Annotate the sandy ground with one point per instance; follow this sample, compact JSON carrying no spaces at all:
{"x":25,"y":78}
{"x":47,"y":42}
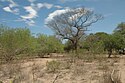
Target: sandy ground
{"x":122,"y":69}
{"x":34,"y":71}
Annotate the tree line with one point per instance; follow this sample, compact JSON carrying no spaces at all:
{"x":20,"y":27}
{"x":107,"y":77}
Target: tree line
{"x":102,"y":42}
{"x":18,"y":42}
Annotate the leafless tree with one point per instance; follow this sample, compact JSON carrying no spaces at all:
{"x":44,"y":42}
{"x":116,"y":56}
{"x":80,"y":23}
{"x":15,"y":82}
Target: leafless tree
{"x":72,"y":23}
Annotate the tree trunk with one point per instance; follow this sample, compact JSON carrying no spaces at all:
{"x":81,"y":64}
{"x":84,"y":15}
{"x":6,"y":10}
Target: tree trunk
{"x":75,"y":46}
{"x":109,"y":53}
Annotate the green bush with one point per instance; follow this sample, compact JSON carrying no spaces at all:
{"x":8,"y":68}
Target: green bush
{"x":53,"y":66}
{"x":14,"y":41}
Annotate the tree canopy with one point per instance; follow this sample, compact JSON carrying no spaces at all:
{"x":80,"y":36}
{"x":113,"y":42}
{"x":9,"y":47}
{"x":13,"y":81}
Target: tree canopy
{"x":71,"y":24}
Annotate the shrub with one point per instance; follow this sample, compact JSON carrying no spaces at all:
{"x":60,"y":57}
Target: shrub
{"x":53,"y":66}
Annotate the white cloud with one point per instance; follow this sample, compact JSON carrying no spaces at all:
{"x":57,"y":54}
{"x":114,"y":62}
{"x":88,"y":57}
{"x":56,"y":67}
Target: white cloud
{"x":55,"y":13}
{"x":40,"y":5}
{"x":57,"y":6}
{"x":29,"y":22}
{"x":14,"y":11}
{"x":46,"y":5}
{"x":75,"y":13}
{"x":7,"y":9}
{"x":11,"y":7}
{"x":31,"y":0}
{"x":31,"y":11}
{"x":12,"y":3}
{"x":28,"y":19}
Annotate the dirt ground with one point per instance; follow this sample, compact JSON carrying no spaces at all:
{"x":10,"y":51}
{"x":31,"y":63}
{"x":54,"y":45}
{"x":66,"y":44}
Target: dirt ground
{"x":122,"y":69}
{"x":80,"y":71}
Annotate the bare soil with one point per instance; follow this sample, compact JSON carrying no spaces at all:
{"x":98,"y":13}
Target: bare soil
{"x":80,"y":71}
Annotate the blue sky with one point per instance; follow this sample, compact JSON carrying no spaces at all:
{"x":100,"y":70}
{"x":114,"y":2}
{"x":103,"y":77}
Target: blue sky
{"x":32,"y":13}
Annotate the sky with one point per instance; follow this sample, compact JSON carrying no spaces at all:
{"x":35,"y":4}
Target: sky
{"x":33,"y":13}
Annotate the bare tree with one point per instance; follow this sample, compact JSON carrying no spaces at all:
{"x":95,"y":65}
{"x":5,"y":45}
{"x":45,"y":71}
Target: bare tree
{"x":71,"y":24}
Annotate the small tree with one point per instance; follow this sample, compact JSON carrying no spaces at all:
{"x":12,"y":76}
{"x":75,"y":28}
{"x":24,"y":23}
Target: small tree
{"x":71,"y":24}
{"x":119,"y":34}
{"x":94,"y":42}
{"x":14,"y":41}
{"x":48,"y":44}
{"x":110,"y":44}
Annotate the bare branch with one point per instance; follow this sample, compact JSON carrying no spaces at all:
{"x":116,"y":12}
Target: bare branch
{"x":72,"y":23}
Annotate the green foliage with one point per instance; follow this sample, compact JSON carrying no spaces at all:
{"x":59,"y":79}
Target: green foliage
{"x":53,"y":66}
{"x":114,"y":42}
{"x":14,"y":41}
{"x":119,"y":34}
{"x":110,"y":42}
{"x":102,"y":42}
{"x":48,"y":44}
{"x":17,"y":41}
{"x":68,"y":46}
{"x":94,"y":42}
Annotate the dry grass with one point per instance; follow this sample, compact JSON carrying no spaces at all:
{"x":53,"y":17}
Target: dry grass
{"x":62,"y":70}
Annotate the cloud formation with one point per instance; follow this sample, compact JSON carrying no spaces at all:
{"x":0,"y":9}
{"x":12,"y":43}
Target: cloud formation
{"x":46,"y":5}
{"x":31,"y":1}
{"x":72,"y":14}
{"x":30,"y":22}
{"x":38,"y":6}
{"x":12,"y":3}
{"x":31,"y":11}
{"x":28,"y":19}
{"x":11,"y":7}
{"x":14,"y":11}
{"x":55,"y":13}
{"x":7,"y":9}
{"x":57,"y":6}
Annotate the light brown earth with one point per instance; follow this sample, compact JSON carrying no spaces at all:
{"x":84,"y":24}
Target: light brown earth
{"x":81,"y":71}
{"x":122,"y":68}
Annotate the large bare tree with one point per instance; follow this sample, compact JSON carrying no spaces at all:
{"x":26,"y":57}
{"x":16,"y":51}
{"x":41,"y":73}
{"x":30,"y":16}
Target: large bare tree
{"x":71,"y":24}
